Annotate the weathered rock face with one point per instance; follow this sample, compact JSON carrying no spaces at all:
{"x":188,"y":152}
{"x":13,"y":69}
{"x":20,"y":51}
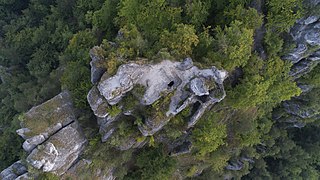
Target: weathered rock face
{"x":162,"y":91}
{"x":25,"y":176}
{"x":60,"y":151}
{"x":80,"y":170}
{"x":158,"y":78}
{"x":42,"y":121}
{"x":96,"y":64}
{"x":13,"y":171}
{"x":52,"y":137}
{"x":97,"y":103}
{"x":306,"y":56}
{"x":306,"y":34}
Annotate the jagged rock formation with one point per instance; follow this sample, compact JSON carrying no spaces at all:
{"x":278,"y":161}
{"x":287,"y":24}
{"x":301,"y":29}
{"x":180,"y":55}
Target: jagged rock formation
{"x":13,"y":171}
{"x":42,"y":121}
{"x":306,"y":56}
{"x":160,"y":91}
{"x":52,"y":137}
{"x":60,"y":151}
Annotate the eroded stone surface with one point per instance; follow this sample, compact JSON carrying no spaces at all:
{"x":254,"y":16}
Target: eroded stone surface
{"x":180,"y":84}
{"x":97,"y":103}
{"x":13,"y":171}
{"x":42,"y":121}
{"x":60,"y":151}
{"x":306,"y":56}
{"x":156,"y":78}
{"x":306,"y":35}
{"x":97,"y":67}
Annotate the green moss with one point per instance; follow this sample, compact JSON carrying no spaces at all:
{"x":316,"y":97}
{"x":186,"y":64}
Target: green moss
{"x":44,"y":116}
{"x":125,"y":132}
{"x":114,"y":111}
{"x":129,"y":102}
{"x":48,"y":176}
{"x":191,"y":172}
{"x":177,"y":124}
{"x":138,"y":91}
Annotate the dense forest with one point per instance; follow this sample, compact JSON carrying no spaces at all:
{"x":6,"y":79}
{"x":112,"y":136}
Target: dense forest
{"x":44,"y":48}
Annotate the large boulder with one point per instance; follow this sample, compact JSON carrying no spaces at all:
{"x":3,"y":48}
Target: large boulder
{"x":42,"y":121}
{"x":97,"y":103}
{"x":60,"y":151}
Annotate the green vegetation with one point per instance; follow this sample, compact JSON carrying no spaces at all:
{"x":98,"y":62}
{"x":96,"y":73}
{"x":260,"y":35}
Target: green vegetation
{"x":209,"y":134}
{"x":181,"y":41}
{"x":48,"y":176}
{"x":177,"y":124}
{"x":283,"y":14}
{"x":113,"y":111}
{"x":152,"y":163}
{"x":44,"y":47}
{"x":104,"y":157}
{"x":234,"y":45}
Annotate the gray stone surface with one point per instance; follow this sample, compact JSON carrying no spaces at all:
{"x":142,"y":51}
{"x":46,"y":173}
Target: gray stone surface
{"x":298,"y":108}
{"x":311,"y":19}
{"x":97,"y":103}
{"x":42,"y":121}
{"x":155,"y":78}
{"x":306,"y":56}
{"x":97,"y":68}
{"x":60,"y":151}
{"x":13,"y":171}
{"x":198,"y":87}
{"x":235,"y":165}
{"x":186,"y":82}
{"x":25,"y":176}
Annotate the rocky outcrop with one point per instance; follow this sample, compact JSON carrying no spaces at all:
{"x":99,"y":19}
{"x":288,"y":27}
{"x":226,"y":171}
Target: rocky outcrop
{"x":97,"y":67}
{"x":97,"y":103}
{"x":13,"y":171}
{"x":60,"y":151}
{"x":44,"y":120}
{"x":157,"y":79}
{"x":305,"y":57}
{"x":162,"y":91}
{"x":81,"y":171}
{"x":52,"y":137}
{"x":306,"y":35}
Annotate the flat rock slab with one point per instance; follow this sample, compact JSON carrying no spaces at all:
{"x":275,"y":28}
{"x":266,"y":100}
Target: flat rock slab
{"x":60,"y":151}
{"x":41,"y":121}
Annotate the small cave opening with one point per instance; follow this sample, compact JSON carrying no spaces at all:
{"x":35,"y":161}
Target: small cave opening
{"x":171,"y":84}
{"x":204,"y":98}
{"x":195,"y":107}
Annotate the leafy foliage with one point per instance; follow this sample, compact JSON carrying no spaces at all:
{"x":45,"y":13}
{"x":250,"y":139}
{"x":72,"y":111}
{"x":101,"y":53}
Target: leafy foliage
{"x":209,"y":135}
{"x":153,"y":163}
{"x":44,"y":46}
{"x":181,"y":41}
{"x":282,"y":14}
{"x":233,"y":45}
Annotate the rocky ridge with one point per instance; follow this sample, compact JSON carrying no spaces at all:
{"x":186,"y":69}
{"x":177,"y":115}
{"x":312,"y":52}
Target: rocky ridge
{"x":53,"y":138}
{"x":165,"y":89}
{"x":305,"y":57}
